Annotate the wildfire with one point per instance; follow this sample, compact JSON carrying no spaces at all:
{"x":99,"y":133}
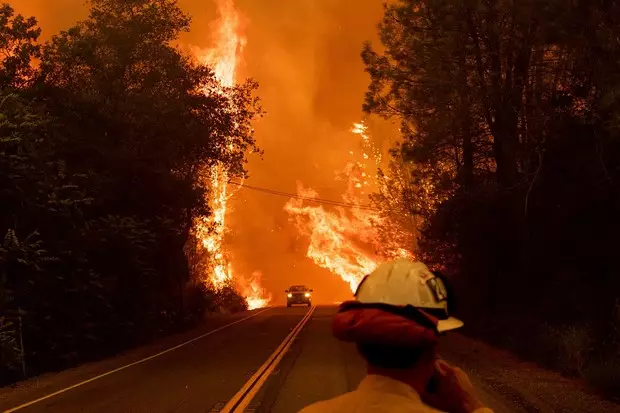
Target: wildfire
{"x":332,"y":235}
{"x":229,"y":44}
{"x":256,"y":296}
{"x":344,"y":240}
{"x":224,"y":58}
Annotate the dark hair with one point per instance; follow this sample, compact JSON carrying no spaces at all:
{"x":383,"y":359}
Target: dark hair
{"x":391,"y":357}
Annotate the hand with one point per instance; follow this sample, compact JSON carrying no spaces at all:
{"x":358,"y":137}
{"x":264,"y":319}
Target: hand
{"x":454,"y":391}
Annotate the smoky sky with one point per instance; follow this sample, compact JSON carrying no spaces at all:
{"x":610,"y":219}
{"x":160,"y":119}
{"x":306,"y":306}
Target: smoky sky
{"x":305,"y":55}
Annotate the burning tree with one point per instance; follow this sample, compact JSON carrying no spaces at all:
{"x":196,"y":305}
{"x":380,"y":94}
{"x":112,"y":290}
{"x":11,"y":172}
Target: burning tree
{"x":210,"y":231}
{"x":106,"y":153}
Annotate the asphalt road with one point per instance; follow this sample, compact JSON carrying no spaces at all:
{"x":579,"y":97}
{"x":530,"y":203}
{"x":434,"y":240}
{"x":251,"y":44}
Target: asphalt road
{"x":278,"y":361}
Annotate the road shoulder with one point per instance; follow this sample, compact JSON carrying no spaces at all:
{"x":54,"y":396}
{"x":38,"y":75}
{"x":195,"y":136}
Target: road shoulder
{"x":54,"y":381}
{"x":529,"y":387}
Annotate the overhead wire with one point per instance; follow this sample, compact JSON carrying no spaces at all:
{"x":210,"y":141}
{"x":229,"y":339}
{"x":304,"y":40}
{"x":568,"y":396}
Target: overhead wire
{"x":304,"y":198}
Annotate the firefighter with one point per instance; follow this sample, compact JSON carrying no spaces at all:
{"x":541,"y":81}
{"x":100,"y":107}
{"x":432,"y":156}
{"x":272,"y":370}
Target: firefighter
{"x":395,"y":320}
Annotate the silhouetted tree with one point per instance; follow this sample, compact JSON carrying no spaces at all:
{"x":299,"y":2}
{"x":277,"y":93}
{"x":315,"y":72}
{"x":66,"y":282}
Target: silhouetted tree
{"x":105,"y":150}
{"x":509,"y":115}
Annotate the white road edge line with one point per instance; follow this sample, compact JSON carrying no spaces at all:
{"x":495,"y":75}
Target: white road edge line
{"x":249,"y":390}
{"x":135,"y":363}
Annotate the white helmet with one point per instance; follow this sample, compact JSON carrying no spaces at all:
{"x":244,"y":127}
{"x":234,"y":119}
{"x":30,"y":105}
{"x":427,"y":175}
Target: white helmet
{"x":402,"y":283}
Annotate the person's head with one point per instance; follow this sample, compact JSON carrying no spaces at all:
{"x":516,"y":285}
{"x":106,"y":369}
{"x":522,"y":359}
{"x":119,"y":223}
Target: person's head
{"x":390,"y":357}
{"x":395,"y":320}
{"x":414,"y":366}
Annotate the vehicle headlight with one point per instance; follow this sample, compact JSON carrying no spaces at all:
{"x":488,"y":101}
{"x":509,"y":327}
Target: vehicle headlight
{"x":289,"y":295}
{"x":307,"y":295}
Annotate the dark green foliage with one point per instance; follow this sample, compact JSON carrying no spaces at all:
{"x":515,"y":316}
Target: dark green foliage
{"x":103,"y":153}
{"x":510,"y":115}
{"x":18,"y":46}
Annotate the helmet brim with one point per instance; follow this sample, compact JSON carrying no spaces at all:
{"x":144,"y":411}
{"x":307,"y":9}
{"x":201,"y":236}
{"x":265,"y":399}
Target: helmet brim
{"x":448,"y":324}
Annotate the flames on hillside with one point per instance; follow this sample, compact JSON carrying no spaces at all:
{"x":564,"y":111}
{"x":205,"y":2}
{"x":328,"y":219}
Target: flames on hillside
{"x":343,"y":237}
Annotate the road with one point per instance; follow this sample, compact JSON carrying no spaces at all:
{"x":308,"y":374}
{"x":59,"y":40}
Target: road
{"x":276,"y":360}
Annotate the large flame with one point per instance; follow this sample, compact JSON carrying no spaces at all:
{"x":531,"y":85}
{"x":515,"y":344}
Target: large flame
{"x":344,"y":239}
{"x":224,"y":58}
{"x":256,"y":296}
{"x":229,"y":44}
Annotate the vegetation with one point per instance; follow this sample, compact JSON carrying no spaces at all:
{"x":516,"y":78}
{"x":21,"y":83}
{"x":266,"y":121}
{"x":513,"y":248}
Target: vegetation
{"x":107,"y":134}
{"x":510,"y":117}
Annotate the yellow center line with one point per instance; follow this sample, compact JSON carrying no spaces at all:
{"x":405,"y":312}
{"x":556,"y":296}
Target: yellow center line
{"x":244,"y":396}
{"x":135,"y":363}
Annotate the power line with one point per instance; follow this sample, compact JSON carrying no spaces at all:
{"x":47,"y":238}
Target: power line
{"x":304,"y":198}
{"x":296,"y":196}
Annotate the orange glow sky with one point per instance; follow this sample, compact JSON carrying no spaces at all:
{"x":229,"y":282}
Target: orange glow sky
{"x":305,"y":54}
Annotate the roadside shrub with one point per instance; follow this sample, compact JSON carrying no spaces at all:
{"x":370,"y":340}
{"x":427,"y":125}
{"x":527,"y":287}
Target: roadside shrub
{"x":604,"y":374}
{"x":198,"y":300}
{"x":201,"y":298}
{"x":9,"y":351}
{"x":229,"y":300}
{"x":569,"y":346}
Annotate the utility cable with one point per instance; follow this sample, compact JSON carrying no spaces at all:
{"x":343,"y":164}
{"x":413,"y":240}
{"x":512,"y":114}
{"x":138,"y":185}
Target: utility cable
{"x":304,"y":198}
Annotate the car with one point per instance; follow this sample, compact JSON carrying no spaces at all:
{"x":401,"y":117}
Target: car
{"x":298,"y":294}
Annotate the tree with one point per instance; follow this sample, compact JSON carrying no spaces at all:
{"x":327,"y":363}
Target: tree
{"x":121,"y":67}
{"x":103,"y":153}
{"x":31,"y":189}
{"x":509,"y":110}
{"x":17,"y":47}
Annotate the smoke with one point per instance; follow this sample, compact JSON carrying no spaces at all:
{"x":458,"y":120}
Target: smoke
{"x":305,"y":54}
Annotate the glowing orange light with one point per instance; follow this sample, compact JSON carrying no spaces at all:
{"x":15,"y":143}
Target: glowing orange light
{"x":344,"y":240}
{"x":229,"y":44}
{"x":256,"y":296}
{"x":224,"y":58}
